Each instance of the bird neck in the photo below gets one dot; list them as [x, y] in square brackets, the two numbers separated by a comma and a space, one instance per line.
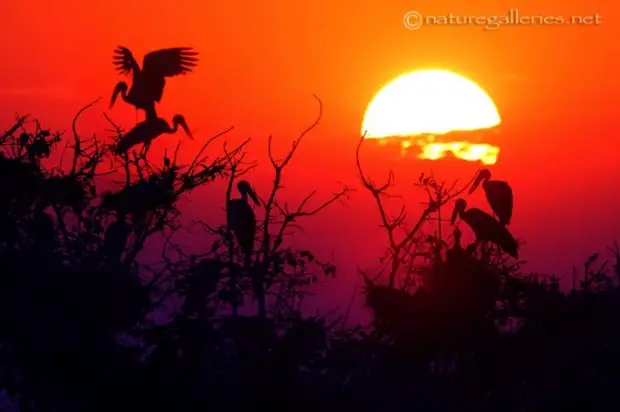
[244, 196]
[173, 129]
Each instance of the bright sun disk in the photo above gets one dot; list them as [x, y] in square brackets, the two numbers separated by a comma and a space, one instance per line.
[433, 102]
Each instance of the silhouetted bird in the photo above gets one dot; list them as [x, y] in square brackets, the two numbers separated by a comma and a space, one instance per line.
[115, 239]
[456, 254]
[241, 219]
[148, 83]
[146, 131]
[498, 194]
[485, 227]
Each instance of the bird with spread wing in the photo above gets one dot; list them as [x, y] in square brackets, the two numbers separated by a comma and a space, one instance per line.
[148, 82]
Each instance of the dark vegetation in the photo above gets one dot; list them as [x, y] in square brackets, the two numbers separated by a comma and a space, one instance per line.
[84, 326]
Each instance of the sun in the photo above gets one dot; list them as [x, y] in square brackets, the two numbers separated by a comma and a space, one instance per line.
[417, 106]
[429, 102]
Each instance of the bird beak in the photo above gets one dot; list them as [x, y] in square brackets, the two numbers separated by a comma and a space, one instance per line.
[455, 213]
[117, 89]
[476, 183]
[186, 129]
[253, 196]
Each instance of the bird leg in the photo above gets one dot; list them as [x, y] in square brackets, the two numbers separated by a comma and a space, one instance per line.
[145, 149]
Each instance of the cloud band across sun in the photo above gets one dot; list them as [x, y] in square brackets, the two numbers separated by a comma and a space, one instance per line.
[425, 103]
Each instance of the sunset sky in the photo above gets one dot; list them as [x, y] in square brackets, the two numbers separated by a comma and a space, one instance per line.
[556, 88]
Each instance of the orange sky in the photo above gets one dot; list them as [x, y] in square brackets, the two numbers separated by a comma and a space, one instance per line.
[556, 89]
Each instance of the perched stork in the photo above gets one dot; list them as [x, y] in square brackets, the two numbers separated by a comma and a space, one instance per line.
[145, 132]
[148, 82]
[115, 239]
[485, 227]
[456, 254]
[498, 194]
[241, 219]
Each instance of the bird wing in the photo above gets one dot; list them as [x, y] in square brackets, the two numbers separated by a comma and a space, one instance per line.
[240, 215]
[500, 197]
[158, 89]
[242, 222]
[139, 134]
[124, 61]
[170, 62]
[488, 229]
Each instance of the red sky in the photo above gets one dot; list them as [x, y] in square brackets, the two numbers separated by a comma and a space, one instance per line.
[556, 88]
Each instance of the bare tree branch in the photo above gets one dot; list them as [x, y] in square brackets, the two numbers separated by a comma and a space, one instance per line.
[76, 149]
[438, 196]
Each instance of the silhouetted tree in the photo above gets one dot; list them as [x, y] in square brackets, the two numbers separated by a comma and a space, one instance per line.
[85, 324]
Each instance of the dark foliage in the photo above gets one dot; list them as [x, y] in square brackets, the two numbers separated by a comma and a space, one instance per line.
[81, 324]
